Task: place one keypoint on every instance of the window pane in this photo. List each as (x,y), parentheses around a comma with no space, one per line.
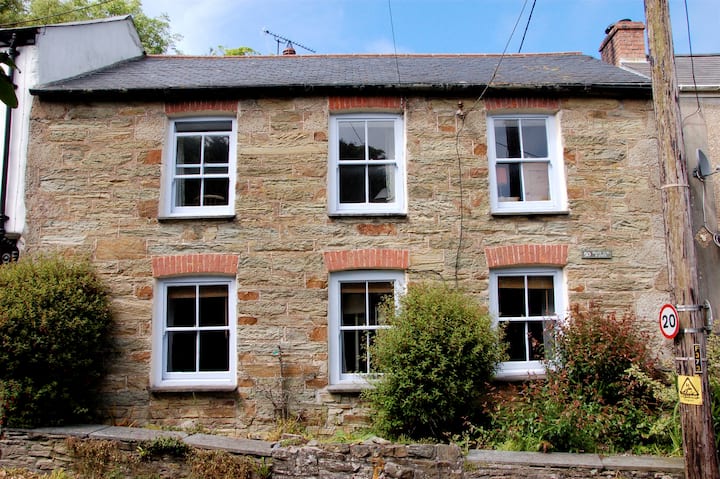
(515,337)
(354,351)
(507,139)
(536,337)
(352,304)
(352,184)
(352,140)
(217,149)
(216,191)
(187,192)
(381,183)
(541,298)
(181,351)
(534,137)
(213,305)
(537,184)
(511,296)
(377,294)
(188,150)
(214,351)
(180,306)
(215,170)
(182,170)
(509,181)
(381,140)
(200,126)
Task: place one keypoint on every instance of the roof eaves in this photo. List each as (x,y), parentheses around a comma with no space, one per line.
(48,92)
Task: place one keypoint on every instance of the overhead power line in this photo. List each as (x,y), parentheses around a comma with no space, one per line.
(56,15)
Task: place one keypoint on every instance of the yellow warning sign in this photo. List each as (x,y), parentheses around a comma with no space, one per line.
(690,390)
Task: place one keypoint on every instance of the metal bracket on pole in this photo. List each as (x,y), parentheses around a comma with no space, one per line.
(708,326)
(689,307)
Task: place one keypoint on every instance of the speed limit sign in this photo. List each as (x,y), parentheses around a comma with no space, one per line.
(669,321)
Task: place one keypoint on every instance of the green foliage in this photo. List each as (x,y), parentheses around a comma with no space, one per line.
(154,32)
(7,89)
(601,394)
(233,52)
(713,356)
(54,327)
(163,446)
(435,360)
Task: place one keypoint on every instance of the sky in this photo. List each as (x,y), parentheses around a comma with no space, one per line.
(423,26)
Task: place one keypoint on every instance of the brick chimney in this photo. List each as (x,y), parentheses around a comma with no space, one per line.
(624,42)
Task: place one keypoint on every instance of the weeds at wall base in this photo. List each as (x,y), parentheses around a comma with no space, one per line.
(161,458)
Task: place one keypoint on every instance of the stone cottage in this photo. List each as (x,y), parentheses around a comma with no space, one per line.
(249,214)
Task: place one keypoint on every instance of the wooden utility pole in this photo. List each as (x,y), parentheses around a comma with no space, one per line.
(697,426)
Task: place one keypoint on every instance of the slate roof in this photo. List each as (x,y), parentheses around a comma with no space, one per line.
(180,75)
(705,69)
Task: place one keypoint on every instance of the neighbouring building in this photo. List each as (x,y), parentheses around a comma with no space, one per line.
(249,213)
(44,54)
(698,80)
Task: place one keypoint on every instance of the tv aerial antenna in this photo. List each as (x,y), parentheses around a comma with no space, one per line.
(279,39)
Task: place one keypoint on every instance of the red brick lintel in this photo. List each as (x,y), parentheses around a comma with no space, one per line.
(177,265)
(522,103)
(224,106)
(379,103)
(527,255)
(366,259)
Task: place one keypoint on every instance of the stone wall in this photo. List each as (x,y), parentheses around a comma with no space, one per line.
(94,176)
(43,450)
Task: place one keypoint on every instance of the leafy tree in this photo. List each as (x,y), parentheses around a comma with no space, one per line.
(154,32)
(233,52)
(7,89)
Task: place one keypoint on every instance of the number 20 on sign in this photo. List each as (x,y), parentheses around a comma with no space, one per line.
(669,321)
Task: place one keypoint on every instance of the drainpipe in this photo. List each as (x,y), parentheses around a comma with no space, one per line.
(8,247)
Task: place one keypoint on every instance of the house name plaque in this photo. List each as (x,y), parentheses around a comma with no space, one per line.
(596,254)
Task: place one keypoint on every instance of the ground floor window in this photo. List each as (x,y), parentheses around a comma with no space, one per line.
(526,304)
(194,334)
(355,317)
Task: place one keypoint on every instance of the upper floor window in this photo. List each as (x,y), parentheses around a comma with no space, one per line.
(355,316)
(527,303)
(367,165)
(526,167)
(194,334)
(200,175)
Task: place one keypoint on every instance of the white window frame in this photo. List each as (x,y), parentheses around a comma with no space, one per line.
(521,370)
(337,377)
(397,207)
(161,379)
(168,201)
(556,170)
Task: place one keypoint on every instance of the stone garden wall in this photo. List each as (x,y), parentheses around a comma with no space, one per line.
(43,450)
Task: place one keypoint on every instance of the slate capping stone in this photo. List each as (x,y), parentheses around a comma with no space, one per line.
(136,434)
(569,460)
(239,446)
(83,430)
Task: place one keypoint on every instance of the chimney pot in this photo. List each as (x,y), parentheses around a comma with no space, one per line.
(289,49)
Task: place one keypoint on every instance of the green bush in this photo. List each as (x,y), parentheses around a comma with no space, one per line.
(601,393)
(713,355)
(434,360)
(54,327)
